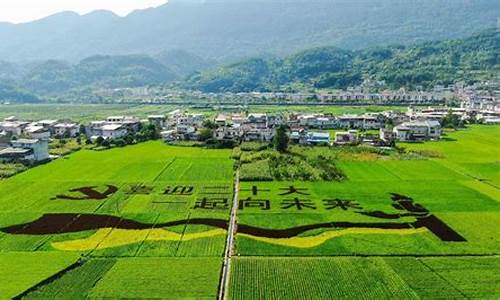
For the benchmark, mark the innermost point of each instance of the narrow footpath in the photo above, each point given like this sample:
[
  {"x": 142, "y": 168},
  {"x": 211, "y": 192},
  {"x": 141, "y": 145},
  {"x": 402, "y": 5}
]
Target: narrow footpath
[{"x": 231, "y": 232}]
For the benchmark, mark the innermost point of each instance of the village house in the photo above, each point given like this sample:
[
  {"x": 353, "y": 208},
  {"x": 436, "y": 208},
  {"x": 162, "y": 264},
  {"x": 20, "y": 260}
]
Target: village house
[
  {"x": 318, "y": 121},
  {"x": 479, "y": 102},
  {"x": 66, "y": 129},
  {"x": 14, "y": 128},
  {"x": 365, "y": 121},
  {"x": 106, "y": 130},
  {"x": 131, "y": 123},
  {"x": 192, "y": 120},
  {"x": 160, "y": 121},
  {"x": 262, "y": 135},
  {"x": 47, "y": 124},
  {"x": 257, "y": 121},
  {"x": 37, "y": 132},
  {"x": 26, "y": 150},
  {"x": 168, "y": 135},
  {"x": 113, "y": 131},
  {"x": 113, "y": 127},
  {"x": 304, "y": 137},
  {"x": 184, "y": 127},
  {"x": 347, "y": 137},
  {"x": 387, "y": 136},
  {"x": 221, "y": 120},
  {"x": 233, "y": 132},
  {"x": 418, "y": 131}
]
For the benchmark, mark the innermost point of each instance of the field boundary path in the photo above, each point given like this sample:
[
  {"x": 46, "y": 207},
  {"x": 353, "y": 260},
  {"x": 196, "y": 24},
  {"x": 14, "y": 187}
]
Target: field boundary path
[{"x": 231, "y": 232}]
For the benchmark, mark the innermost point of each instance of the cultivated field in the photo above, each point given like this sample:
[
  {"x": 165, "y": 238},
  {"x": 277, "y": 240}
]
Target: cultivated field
[
  {"x": 424, "y": 226},
  {"x": 151, "y": 220},
  {"x": 125, "y": 222},
  {"x": 92, "y": 112}
]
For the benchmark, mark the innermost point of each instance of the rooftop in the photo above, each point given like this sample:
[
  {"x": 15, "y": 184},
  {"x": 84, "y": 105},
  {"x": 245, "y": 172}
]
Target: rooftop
[
  {"x": 25, "y": 141},
  {"x": 7, "y": 151},
  {"x": 111, "y": 127}
]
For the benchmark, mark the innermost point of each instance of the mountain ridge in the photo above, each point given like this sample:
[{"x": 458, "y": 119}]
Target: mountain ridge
[{"x": 232, "y": 30}]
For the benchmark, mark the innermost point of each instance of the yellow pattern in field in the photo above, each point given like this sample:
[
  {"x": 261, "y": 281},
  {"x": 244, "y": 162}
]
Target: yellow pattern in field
[
  {"x": 109, "y": 237},
  {"x": 313, "y": 241}
]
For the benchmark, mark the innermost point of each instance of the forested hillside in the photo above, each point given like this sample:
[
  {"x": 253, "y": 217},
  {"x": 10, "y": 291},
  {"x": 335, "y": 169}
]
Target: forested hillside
[
  {"x": 230, "y": 30},
  {"x": 471, "y": 59},
  {"x": 12, "y": 94},
  {"x": 427, "y": 64},
  {"x": 55, "y": 76}
]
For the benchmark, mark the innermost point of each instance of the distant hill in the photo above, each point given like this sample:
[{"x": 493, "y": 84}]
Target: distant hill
[
  {"x": 426, "y": 65},
  {"x": 10, "y": 94},
  {"x": 97, "y": 71},
  {"x": 230, "y": 30},
  {"x": 183, "y": 63}
]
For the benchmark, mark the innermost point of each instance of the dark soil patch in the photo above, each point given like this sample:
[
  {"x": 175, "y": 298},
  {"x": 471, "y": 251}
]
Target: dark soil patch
[{"x": 67, "y": 223}]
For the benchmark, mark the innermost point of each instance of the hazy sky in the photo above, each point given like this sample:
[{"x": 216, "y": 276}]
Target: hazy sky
[{"x": 18, "y": 11}]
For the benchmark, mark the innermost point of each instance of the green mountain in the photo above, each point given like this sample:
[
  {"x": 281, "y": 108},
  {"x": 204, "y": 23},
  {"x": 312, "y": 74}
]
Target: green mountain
[
  {"x": 11, "y": 94},
  {"x": 54, "y": 76},
  {"x": 231, "y": 30},
  {"x": 183, "y": 63},
  {"x": 426, "y": 65}
]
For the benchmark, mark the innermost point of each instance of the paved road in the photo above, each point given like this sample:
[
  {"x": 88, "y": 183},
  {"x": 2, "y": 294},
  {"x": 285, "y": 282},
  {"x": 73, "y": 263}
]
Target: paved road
[{"x": 231, "y": 232}]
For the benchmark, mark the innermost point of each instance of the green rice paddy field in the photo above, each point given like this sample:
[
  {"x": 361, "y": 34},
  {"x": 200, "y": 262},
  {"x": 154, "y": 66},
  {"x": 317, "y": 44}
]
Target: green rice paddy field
[{"x": 150, "y": 221}]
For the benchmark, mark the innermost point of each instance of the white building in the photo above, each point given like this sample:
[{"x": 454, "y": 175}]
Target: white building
[
  {"x": 66, "y": 129},
  {"x": 113, "y": 131},
  {"x": 317, "y": 138},
  {"x": 37, "y": 132},
  {"x": 14, "y": 128},
  {"x": 39, "y": 148},
  {"x": 418, "y": 131}
]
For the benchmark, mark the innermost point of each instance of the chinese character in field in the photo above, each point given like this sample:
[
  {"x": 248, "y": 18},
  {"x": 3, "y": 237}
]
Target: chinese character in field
[
  {"x": 140, "y": 189},
  {"x": 298, "y": 203},
  {"x": 341, "y": 204},
  {"x": 255, "y": 190},
  {"x": 255, "y": 203},
  {"x": 213, "y": 203},
  {"x": 291, "y": 190},
  {"x": 216, "y": 190},
  {"x": 179, "y": 190}
]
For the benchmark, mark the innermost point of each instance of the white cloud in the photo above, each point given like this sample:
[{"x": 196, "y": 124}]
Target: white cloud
[{"x": 18, "y": 11}]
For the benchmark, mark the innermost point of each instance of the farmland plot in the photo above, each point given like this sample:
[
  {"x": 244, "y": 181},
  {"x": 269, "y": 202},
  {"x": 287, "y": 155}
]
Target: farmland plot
[
  {"x": 299, "y": 218},
  {"x": 316, "y": 278},
  {"x": 450, "y": 277},
  {"x": 76, "y": 283},
  {"x": 293, "y": 231},
  {"x": 148, "y": 200},
  {"x": 172, "y": 278},
  {"x": 21, "y": 270},
  {"x": 150, "y": 221}
]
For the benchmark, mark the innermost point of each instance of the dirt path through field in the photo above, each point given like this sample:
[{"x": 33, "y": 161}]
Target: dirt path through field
[{"x": 231, "y": 233}]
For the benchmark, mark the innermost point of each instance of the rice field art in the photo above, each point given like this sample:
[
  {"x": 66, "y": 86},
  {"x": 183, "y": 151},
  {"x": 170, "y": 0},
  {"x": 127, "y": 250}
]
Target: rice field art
[{"x": 154, "y": 221}]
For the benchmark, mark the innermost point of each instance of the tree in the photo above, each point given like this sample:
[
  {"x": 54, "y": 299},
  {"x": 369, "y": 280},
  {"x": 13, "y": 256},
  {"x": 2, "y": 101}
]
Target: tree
[
  {"x": 209, "y": 124},
  {"x": 206, "y": 134},
  {"x": 83, "y": 130},
  {"x": 149, "y": 132},
  {"x": 106, "y": 143},
  {"x": 99, "y": 141},
  {"x": 452, "y": 121},
  {"x": 281, "y": 139}
]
